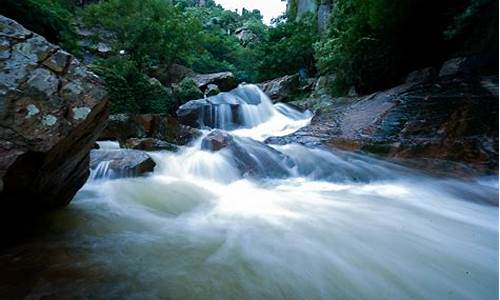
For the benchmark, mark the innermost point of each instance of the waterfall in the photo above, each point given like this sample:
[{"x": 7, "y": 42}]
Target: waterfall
[{"x": 229, "y": 217}]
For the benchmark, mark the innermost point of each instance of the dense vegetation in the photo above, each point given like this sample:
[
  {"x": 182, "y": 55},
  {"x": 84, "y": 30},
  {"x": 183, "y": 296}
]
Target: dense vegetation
[
  {"x": 368, "y": 45},
  {"x": 372, "y": 44}
]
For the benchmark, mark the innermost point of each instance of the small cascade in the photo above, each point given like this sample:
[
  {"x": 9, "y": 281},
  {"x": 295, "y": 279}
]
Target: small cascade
[
  {"x": 242, "y": 108},
  {"x": 108, "y": 145},
  {"x": 102, "y": 171}
]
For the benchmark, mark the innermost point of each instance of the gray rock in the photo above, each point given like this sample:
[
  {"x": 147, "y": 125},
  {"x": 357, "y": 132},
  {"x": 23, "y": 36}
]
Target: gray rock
[
  {"x": 324, "y": 14},
  {"x": 245, "y": 35},
  {"x": 52, "y": 110},
  {"x": 204, "y": 112},
  {"x": 250, "y": 157},
  {"x": 425, "y": 125},
  {"x": 224, "y": 80},
  {"x": 120, "y": 163},
  {"x": 281, "y": 89}
]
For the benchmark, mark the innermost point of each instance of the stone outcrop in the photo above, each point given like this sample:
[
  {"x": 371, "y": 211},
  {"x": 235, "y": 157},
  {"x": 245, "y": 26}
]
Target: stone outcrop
[
  {"x": 121, "y": 127},
  {"x": 447, "y": 125},
  {"x": 245, "y": 35},
  {"x": 323, "y": 10},
  {"x": 282, "y": 88},
  {"x": 52, "y": 110}
]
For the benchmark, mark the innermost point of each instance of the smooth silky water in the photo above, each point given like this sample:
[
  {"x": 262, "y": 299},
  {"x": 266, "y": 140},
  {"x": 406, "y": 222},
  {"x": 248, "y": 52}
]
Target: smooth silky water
[{"x": 337, "y": 226}]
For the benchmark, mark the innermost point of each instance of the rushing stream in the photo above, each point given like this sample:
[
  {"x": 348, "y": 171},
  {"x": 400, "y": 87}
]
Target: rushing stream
[{"x": 306, "y": 223}]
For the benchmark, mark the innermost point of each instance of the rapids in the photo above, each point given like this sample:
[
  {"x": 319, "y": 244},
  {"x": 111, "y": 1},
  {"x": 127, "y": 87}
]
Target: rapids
[{"x": 336, "y": 226}]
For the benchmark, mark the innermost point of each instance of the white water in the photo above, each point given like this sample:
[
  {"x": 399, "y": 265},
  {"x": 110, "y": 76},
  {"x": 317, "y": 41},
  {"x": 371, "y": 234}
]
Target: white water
[{"x": 340, "y": 226}]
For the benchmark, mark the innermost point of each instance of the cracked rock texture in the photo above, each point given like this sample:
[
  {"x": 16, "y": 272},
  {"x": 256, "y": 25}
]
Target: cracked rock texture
[{"x": 52, "y": 110}]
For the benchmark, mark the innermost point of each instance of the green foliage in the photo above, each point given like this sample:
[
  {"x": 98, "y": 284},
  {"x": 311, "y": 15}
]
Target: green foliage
[
  {"x": 372, "y": 44},
  {"x": 49, "y": 18},
  {"x": 150, "y": 31},
  {"x": 288, "y": 48},
  {"x": 187, "y": 90},
  {"x": 130, "y": 91},
  {"x": 220, "y": 49}
]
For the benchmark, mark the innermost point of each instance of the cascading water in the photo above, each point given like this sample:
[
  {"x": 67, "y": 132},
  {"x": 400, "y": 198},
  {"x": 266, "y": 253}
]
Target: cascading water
[{"x": 301, "y": 224}]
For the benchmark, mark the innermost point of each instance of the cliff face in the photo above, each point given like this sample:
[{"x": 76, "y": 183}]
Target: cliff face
[
  {"x": 52, "y": 110},
  {"x": 322, "y": 9}
]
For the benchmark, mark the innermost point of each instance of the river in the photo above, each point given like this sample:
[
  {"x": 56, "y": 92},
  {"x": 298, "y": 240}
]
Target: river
[{"x": 309, "y": 223}]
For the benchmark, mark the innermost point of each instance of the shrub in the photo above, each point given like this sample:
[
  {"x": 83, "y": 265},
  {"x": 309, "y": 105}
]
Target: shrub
[
  {"x": 131, "y": 91},
  {"x": 187, "y": 90}
]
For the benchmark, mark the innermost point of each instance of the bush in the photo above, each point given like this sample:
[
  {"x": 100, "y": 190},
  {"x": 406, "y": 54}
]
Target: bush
[
  {"x": 187, "y": 90},
  {"x": 151, "y": 32},
  {"x": 131, "y": 91}
]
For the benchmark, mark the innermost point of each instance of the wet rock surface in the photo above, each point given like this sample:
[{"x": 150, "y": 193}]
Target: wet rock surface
[
  {"x": 250, "y": 157},
  {"x": 202, "y": 112},
  {"x": 120, "y": 163},
  {"x": 448, "y": 125},
  {"x": 52, "y": 110}
]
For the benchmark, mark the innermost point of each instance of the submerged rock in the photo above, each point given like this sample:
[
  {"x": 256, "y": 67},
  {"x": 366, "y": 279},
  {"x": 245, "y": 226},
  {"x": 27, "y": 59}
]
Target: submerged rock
[
  {"x": 52, "y": 110},
  {"x": 250, "y": 157},
  {"x": 447, "y": 126},
  {"x": 216, "y": 140},
  {"x": 120, "y": 163}
]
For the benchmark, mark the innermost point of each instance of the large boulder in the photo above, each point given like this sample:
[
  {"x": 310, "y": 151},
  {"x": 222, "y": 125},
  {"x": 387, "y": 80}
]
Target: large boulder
[
  {"x": 281, "y": 89},
  {"x": 120, "y": 163},
  {"x": 52, "y": 109},
  {"x": 121, "y": 127},
  {"x": 447, "y": 126},
  {"x": 224, "y": 80}
]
